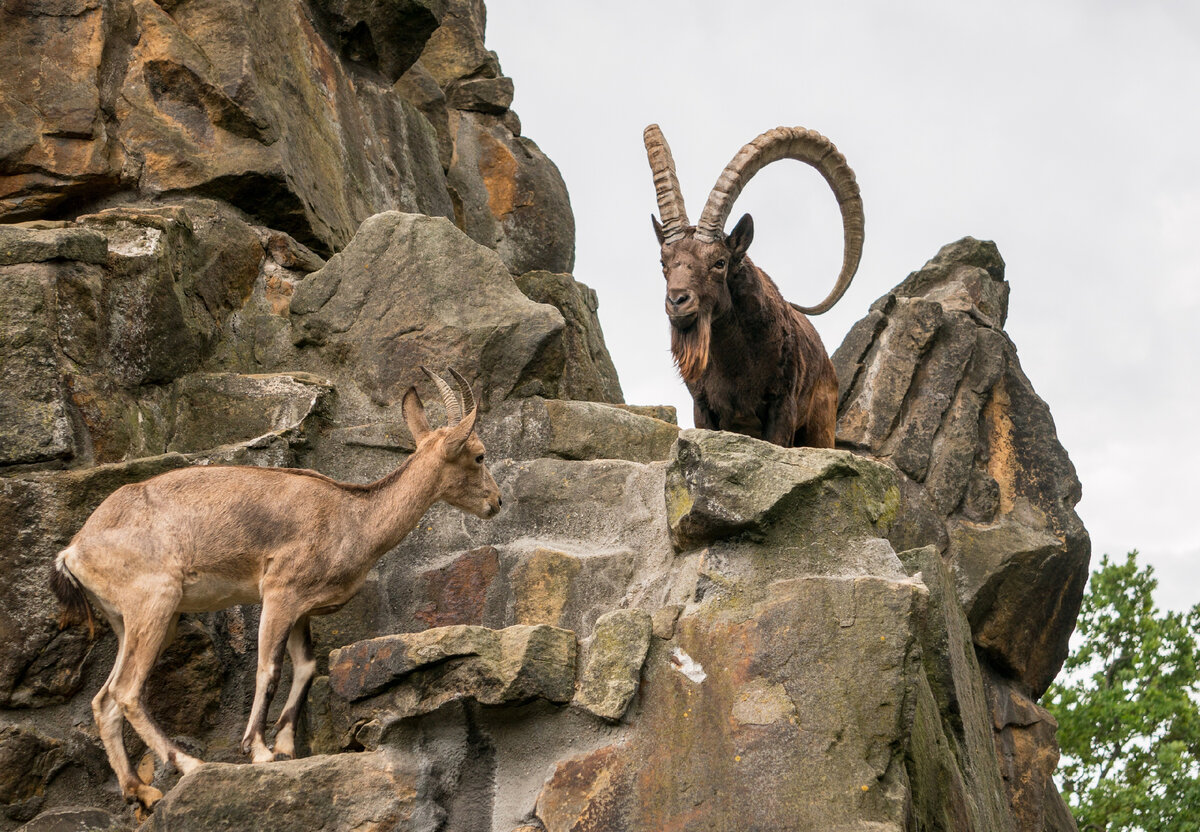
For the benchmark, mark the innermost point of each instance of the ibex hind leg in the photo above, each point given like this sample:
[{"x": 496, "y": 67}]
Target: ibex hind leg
[
  {"x": 145, "y": 630},
  {"x": 109, "y": 720}
]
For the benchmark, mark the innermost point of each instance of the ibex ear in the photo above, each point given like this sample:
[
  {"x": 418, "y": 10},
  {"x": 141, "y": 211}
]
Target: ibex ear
[
  {"x": 740, "y": 238},
  {"x": 658, "y": 232},
  {"x": 414, "y": 414},
  {"x": 460, "y": 433}
]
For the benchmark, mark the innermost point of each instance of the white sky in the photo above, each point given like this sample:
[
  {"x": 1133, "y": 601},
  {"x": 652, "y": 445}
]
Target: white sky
[{"x": 1069, "y": 133}]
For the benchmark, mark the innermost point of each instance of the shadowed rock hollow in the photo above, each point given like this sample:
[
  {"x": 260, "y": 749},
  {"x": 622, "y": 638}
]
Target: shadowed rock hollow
[{"x": 232, "y": 232}]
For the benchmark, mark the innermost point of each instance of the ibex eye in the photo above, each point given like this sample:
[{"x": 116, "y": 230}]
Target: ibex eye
[
  {"x": 479, "y": 459},
  {"x": 720, "y": 264}
]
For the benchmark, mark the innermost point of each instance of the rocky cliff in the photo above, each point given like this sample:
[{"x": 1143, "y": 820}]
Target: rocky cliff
[{"x": 230, "y": 232}]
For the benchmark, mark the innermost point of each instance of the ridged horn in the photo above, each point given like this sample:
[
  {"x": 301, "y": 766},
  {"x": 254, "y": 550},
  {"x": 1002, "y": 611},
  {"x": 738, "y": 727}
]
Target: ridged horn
[
  {"x": 468, "y": 398},
  {"x": 666, "y": 184},
  {"x": 453, "y": 406},
  {"x": 806, "y": 146}
]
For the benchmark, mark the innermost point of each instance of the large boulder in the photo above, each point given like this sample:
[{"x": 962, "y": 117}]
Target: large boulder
[
  {"x": 930, "y": 383},
  {"x": 719, "y": 486},
  {"x": 375, "y": 792},
  {"x": 615, "y": 655},
  {"x": 412, "y": 290},
  {"x": 971, "y": 430}
]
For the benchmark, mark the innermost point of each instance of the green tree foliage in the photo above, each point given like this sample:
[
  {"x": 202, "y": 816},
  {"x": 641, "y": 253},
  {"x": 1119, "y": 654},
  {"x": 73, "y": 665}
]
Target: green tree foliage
[{"x": 1128, "y": 708}]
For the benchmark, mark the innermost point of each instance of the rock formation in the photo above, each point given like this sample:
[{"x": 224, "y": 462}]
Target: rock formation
[{"x": 230, "y": 232}]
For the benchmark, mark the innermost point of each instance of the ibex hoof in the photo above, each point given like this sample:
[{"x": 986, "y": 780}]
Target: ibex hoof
[
  {"x": 280, "y": 756},
  {"x": 186, "y": 764},
  {"x": 146, "y": 796}
]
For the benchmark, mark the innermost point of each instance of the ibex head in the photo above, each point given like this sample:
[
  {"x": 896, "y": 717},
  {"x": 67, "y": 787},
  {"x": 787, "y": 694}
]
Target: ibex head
[
  {"x": 697, "y": 260},
  {"x": 466, "y": 482}
]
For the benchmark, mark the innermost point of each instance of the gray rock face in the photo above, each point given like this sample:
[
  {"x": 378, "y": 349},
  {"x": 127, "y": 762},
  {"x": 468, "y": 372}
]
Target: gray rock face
[
  {"x": 719, "y": 487},
  {"x": 537, "y": 427},
  {"x": 589, "y": 374},
  {"x": 370, "y": 792},
  {"x": 510, "y": 665},
  {"x": 283, "y": 109},
  {"x": 73, "y": 820},
  {"x": 385, "y": 307},
  {"x": 28, "y": 760},
  {"x": 513, "y": 198},
  {"x": 931, "y": 384},
  {"x": 972, "y": 431},
  {"x": 614, "y": 663}
]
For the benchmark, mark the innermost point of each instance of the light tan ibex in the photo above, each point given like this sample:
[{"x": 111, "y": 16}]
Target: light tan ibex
[{"x": 206, "y": 538}]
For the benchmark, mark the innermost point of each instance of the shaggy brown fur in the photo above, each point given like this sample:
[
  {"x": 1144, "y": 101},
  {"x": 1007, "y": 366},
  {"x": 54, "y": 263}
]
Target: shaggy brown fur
[{"x": 752, "y": 363}]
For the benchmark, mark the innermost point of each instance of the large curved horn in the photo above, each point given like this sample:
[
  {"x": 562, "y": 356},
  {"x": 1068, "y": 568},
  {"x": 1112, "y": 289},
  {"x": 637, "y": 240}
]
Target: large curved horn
[
  {"x": 468, "y": 398},
  {"x": 666, "y": 184},
  {"x": 806, "y": 146},
  {"x": 454, "y": 411}
]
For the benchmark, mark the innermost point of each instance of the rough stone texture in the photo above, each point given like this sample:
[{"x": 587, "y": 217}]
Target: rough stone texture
[
  {"x": 956, "y": 771},
  {"x": 35, "y": 422},
  {"x": 937, "y": 391},
  {"x": 224, "y": 408},
  {"x": 930, "y": 383},
  {"x": 1028, "y": 753},
  {"x": 778, "y": 696},
  {"x": 381, "y": 681},
  {"x": 718, "y": 486},
  {"x": 281, "y": 108},
  {"x": 589, "y": 374},
  {"x": 384, "y": 306},
  {"x": 74, "y": 820},
  {"x": 513, "y": 198},
  {"x": 31, "y": 244},
  {"x": 614, "y": 663},
  {"x": 375, "y": 792},
  {"x": 28, "y": 760},
  {"x": 509, "y": 665},
  {"x": 537, "y": 427}
]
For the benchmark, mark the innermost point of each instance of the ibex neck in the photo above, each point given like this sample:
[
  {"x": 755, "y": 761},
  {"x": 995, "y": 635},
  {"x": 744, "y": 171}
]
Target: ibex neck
[{"x": 397, "y": 505}]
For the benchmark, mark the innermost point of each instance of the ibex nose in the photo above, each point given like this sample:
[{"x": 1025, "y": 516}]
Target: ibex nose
[{"x": 678, "y": 298}]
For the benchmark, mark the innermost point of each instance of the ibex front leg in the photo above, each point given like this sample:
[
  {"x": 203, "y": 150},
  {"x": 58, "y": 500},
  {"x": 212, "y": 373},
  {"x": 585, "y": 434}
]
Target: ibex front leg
[
  {"x": 304, "y": 666},
  {"x": 273, "y": 628}
]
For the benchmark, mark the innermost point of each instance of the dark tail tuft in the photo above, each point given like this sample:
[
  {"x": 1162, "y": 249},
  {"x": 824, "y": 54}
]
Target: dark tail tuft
[{"x": 75, "y": 606}]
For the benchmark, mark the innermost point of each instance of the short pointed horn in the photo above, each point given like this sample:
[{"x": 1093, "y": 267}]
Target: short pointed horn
[
  {"x": 666, "y": 184},
  {"x": 806, "y": 146},
  {"x": 468, "y": 398},
  {"x": 453, "y": 406}
]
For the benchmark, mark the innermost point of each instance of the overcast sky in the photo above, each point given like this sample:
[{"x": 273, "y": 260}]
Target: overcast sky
[{"x": 1069, "y": 133}]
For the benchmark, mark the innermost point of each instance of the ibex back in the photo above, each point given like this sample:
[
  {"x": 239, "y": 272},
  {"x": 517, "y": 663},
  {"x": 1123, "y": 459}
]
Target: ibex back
[
  {"x": 206, "y": 538},
  {"x": 752, "y": 361}
]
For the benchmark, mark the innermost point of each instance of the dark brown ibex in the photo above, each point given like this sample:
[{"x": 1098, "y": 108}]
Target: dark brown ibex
[
  {"x": 752, "y": 361},
  {"x": 206, "y": 538}
]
